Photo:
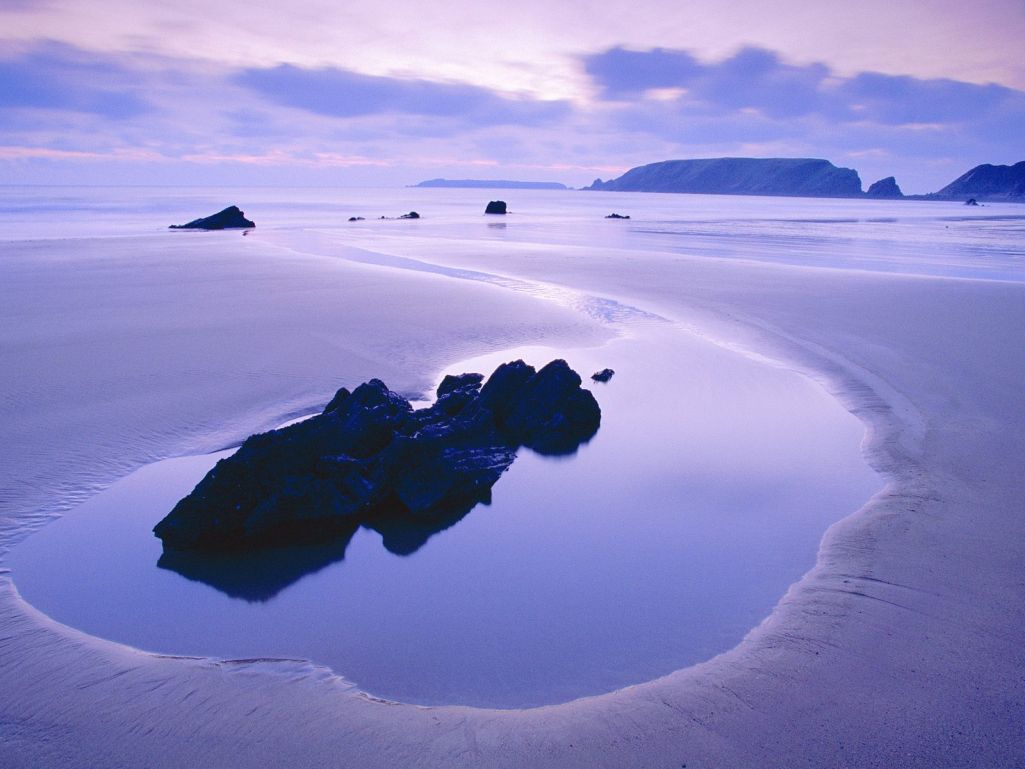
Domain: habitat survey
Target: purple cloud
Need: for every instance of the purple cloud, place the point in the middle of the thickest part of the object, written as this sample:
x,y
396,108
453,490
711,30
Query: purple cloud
x,y
58,77
339,93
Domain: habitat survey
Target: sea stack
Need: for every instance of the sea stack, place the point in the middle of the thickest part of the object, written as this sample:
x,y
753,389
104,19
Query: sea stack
x,y
230,218
884,188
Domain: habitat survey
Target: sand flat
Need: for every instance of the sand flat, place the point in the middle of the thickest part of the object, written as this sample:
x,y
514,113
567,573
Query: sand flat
x,y
903,647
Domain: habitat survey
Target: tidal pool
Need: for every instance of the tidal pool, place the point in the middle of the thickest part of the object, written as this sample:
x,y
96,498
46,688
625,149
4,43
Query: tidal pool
x,y
658,545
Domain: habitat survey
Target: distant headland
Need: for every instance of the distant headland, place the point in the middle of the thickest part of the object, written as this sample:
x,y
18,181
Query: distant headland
x,y
739,176
496,184
804,177
987,182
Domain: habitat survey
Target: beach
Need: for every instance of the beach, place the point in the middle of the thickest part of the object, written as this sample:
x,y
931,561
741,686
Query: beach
x,y
903,646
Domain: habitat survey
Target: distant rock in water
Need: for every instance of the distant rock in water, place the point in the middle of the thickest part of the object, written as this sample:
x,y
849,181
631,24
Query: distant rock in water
x,y
370,459
988,182
602,376
884,188
971,202
356,218
495,207
410,215
231,217
739,176
616,216
494,184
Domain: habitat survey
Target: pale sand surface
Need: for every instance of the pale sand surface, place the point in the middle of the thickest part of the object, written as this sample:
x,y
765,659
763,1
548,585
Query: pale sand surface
x,y
905,646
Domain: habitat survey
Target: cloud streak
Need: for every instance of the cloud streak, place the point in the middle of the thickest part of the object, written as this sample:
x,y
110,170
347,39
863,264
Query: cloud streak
x,y
339,93
58,77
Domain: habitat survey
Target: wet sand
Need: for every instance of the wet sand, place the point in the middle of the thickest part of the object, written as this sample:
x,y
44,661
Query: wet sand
x,y
903,647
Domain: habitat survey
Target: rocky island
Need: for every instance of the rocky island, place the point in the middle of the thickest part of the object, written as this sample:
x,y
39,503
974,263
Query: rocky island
x,y
739,176
884,188
231,217
370,459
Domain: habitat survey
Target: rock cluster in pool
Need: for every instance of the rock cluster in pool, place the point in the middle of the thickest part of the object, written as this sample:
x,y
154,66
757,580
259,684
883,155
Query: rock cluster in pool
x,y
369,458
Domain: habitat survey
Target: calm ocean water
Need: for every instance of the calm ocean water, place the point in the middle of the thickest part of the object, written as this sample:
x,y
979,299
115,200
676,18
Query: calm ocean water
x,y
659,545
894,236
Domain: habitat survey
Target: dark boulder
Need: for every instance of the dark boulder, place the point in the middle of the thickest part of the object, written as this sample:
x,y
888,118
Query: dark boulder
x,y
495,207
410,215
616,216
550,411
971,202
602,376
356,218
369,457
231,217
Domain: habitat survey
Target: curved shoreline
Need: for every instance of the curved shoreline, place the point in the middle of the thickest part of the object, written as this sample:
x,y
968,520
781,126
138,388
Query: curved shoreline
x,y
800,684
659,348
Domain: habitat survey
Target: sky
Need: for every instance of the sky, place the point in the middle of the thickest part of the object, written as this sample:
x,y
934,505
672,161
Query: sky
x,y
330,92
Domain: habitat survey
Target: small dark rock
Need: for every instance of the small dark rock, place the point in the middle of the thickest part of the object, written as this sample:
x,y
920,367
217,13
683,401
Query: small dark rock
x,y
616,216
231,217
495,207
410,215
356,218
602,376
971,202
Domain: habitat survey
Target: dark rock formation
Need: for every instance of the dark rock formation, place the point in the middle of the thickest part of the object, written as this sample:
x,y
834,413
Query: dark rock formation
x,y
971,202
884,188
616,216
369,459
988,182
494,184
739,176
602,376
410,215
231,217
356,218
495,207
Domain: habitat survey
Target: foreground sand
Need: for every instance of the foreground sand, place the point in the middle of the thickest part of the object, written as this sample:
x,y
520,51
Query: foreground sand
x,y
905,646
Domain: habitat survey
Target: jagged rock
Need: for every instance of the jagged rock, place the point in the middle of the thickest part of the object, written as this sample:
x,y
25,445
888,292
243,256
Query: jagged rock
x,y
884,188
410,215
616,216
356,218
495,207
231,217
370,459
602,376
971,202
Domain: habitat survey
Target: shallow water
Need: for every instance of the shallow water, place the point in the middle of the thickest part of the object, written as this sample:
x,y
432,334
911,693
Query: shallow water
x,y
660,544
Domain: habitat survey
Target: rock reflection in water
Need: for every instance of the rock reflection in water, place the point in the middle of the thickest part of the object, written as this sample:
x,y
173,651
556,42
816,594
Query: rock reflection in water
x,y
259,575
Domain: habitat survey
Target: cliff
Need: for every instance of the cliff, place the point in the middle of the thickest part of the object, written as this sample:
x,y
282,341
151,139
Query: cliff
x,y
739,176
988,181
